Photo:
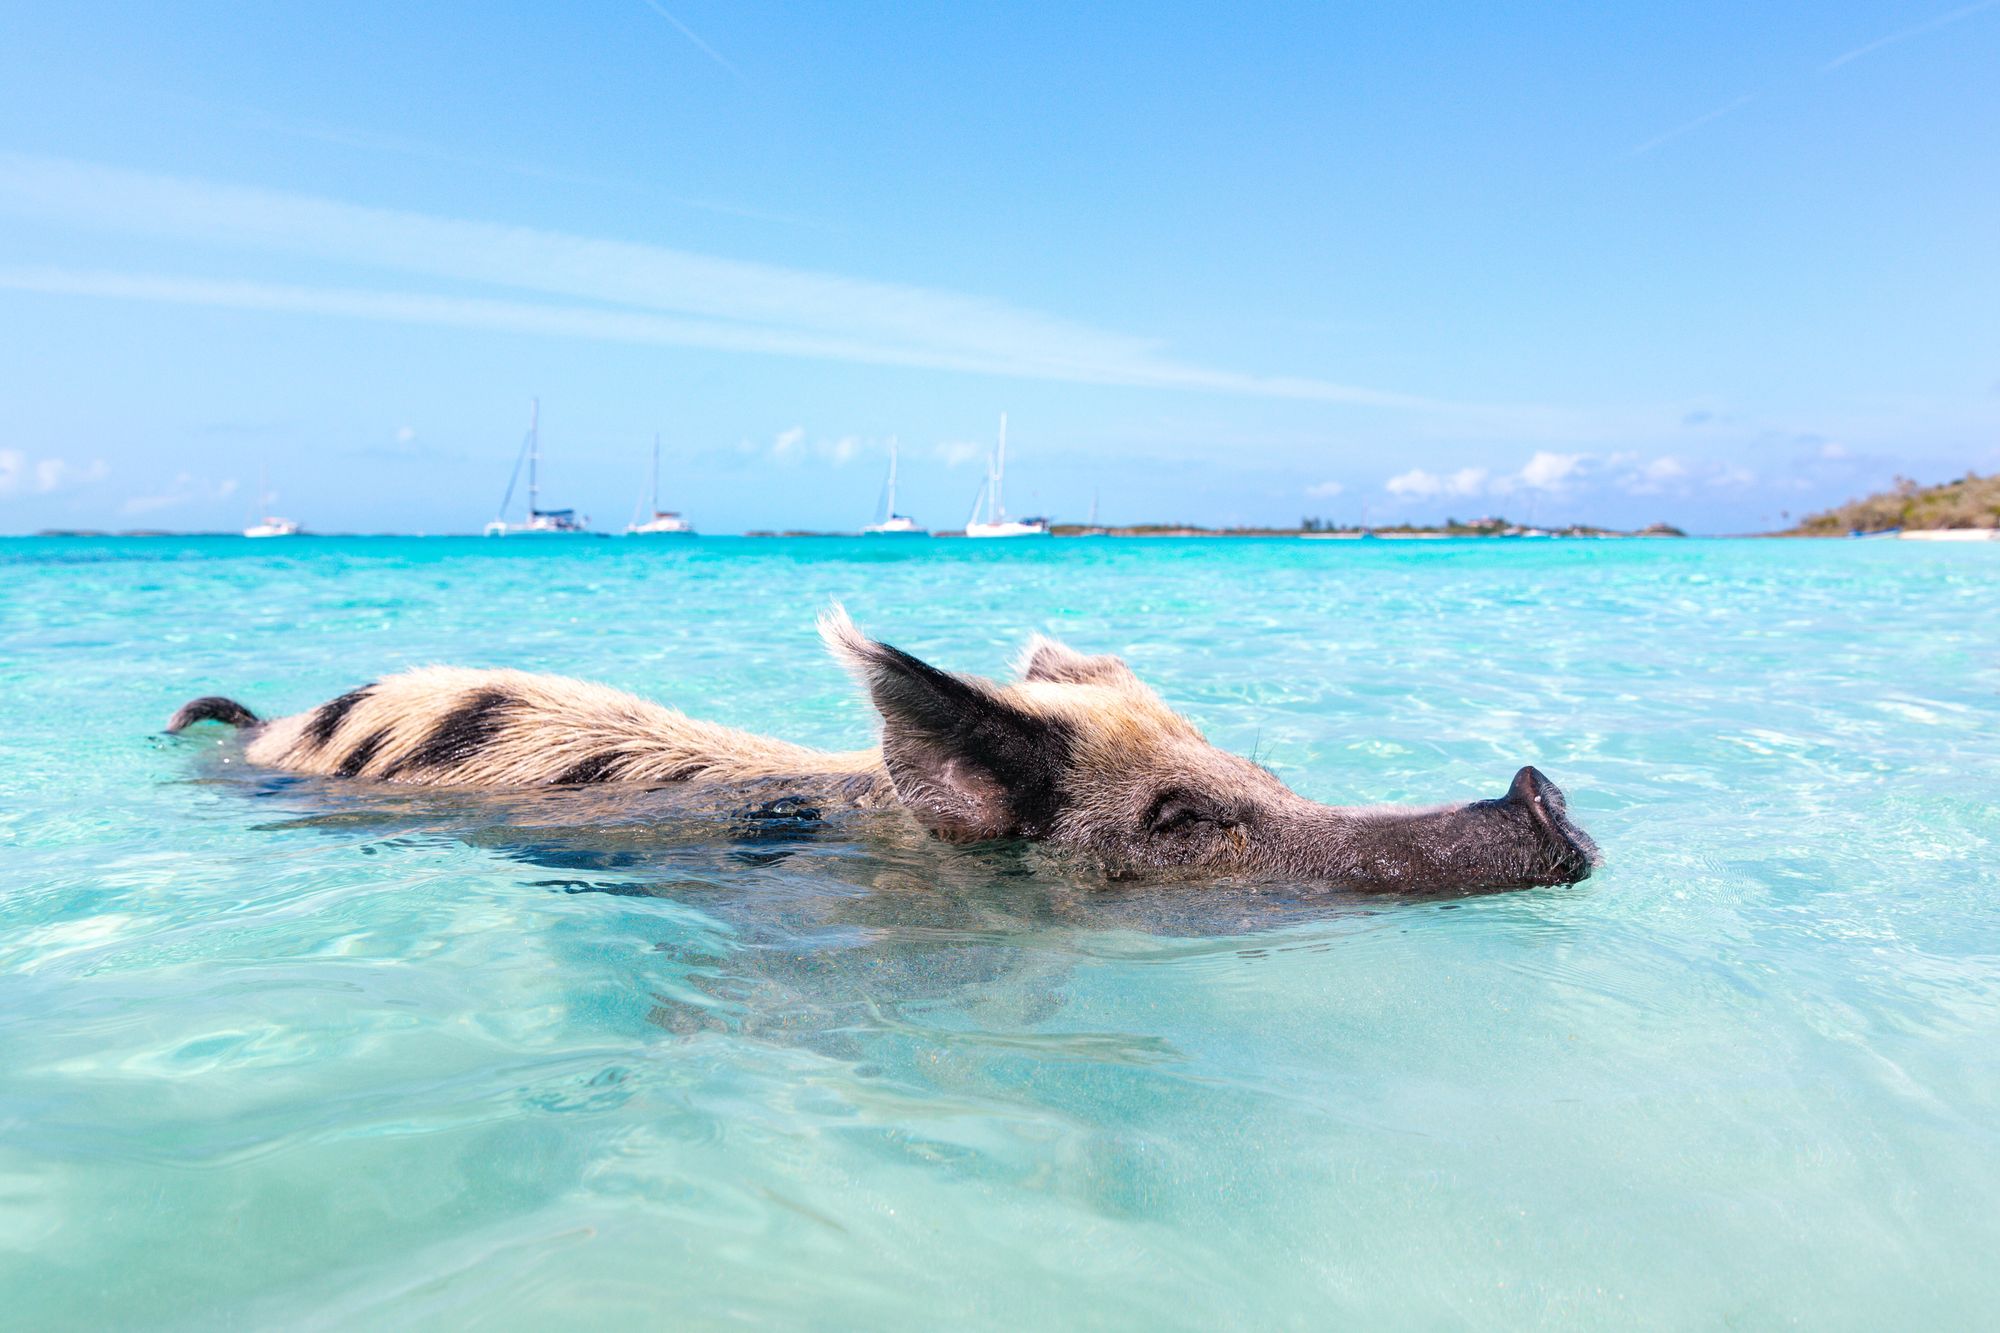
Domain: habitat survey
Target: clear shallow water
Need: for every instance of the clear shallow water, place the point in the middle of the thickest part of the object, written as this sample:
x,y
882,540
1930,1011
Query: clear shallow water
x,y
287,1053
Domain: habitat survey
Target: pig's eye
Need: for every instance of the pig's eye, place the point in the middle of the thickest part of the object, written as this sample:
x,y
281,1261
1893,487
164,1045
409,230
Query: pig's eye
x,y
1183,812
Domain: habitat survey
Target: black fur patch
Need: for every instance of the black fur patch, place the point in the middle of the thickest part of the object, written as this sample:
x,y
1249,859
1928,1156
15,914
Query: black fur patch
x,y
932,719
357,758
594,768
461,733
326,719
212,708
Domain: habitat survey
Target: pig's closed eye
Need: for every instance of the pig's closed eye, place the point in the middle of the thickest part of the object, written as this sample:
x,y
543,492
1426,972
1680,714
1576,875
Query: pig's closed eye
x,y
1179,812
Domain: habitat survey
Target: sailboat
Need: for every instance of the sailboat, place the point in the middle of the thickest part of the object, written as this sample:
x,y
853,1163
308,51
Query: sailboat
x,y
992,503
540,522
893,524
270,525
1091,528
664,522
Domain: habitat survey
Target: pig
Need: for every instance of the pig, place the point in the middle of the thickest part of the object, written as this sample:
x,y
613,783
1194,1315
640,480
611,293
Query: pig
x,y
1077,754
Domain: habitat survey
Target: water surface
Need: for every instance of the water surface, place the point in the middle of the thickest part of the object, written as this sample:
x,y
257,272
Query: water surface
x,y
282,1052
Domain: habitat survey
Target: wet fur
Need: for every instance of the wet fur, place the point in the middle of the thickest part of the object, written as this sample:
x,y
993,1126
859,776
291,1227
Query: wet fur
x,y
1077,753
448,726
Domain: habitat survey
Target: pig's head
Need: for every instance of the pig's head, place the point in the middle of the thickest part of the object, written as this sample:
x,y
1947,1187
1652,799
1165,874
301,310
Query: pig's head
x,y
1082,756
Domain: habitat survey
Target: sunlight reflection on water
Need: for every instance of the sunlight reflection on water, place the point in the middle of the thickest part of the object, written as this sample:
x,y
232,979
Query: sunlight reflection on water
x,y
272,1052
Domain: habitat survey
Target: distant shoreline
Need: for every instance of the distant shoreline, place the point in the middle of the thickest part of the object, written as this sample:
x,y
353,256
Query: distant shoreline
x,y
1142,533
1066,533
1488,529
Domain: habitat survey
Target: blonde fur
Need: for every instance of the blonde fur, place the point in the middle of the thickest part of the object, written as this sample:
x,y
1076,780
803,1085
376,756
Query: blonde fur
x,y
450,725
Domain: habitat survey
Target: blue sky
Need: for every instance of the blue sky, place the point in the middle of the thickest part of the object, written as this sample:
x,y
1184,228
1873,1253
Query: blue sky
x,y
1217,263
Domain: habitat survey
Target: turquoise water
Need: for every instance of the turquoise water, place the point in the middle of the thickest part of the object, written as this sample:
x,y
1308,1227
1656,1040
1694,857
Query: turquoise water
x,y
279,1053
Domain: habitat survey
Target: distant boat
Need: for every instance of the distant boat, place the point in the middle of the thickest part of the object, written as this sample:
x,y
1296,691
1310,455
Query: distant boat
x,y
1949,534
664,522
1091,527
893,524
992,503
540,522
270,525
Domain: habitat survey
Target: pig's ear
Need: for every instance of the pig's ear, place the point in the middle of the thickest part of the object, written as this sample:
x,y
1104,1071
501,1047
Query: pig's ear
x,y
966,762
1046,660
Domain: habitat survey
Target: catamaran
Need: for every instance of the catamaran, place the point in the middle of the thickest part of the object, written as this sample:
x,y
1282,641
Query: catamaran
x,y
993,505
893,524
540,522
270,525
664,522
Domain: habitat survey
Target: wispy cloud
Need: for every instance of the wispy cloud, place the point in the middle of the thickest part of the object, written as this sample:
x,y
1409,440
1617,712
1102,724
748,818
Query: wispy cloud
x,y
695,38
1547,473
22,475
1324,490
666,295
1422,484
1727,108
1904,34
1651,476
185,489
791,445
957,453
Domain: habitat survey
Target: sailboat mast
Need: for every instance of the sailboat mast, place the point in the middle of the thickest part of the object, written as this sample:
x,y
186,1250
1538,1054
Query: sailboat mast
x,y
892,476
534,454
1000,474
656,473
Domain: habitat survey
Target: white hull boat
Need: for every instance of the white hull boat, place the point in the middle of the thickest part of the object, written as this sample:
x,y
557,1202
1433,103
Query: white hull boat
x,y
989,511
539,522
893,524
664,522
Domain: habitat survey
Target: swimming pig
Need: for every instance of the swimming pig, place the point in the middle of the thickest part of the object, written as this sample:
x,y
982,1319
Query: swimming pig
x,y
1077,754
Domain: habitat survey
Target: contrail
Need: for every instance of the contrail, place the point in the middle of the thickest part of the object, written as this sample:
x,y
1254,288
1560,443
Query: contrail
x,y
695,37
1928,25
1695,124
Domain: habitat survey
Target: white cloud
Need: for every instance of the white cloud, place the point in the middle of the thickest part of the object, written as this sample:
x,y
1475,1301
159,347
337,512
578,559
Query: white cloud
x,y
1544,471
793,445
21,476
1832,450
404,434
1548,471
1417,484
668,296
1649,476
1324,490
1661,471
957,453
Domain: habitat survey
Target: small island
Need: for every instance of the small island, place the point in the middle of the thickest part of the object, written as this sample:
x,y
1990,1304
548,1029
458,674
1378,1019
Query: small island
x,y
1967,509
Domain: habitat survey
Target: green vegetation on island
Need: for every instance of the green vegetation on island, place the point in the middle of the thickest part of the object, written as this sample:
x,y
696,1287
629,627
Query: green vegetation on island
x,y
1972,501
